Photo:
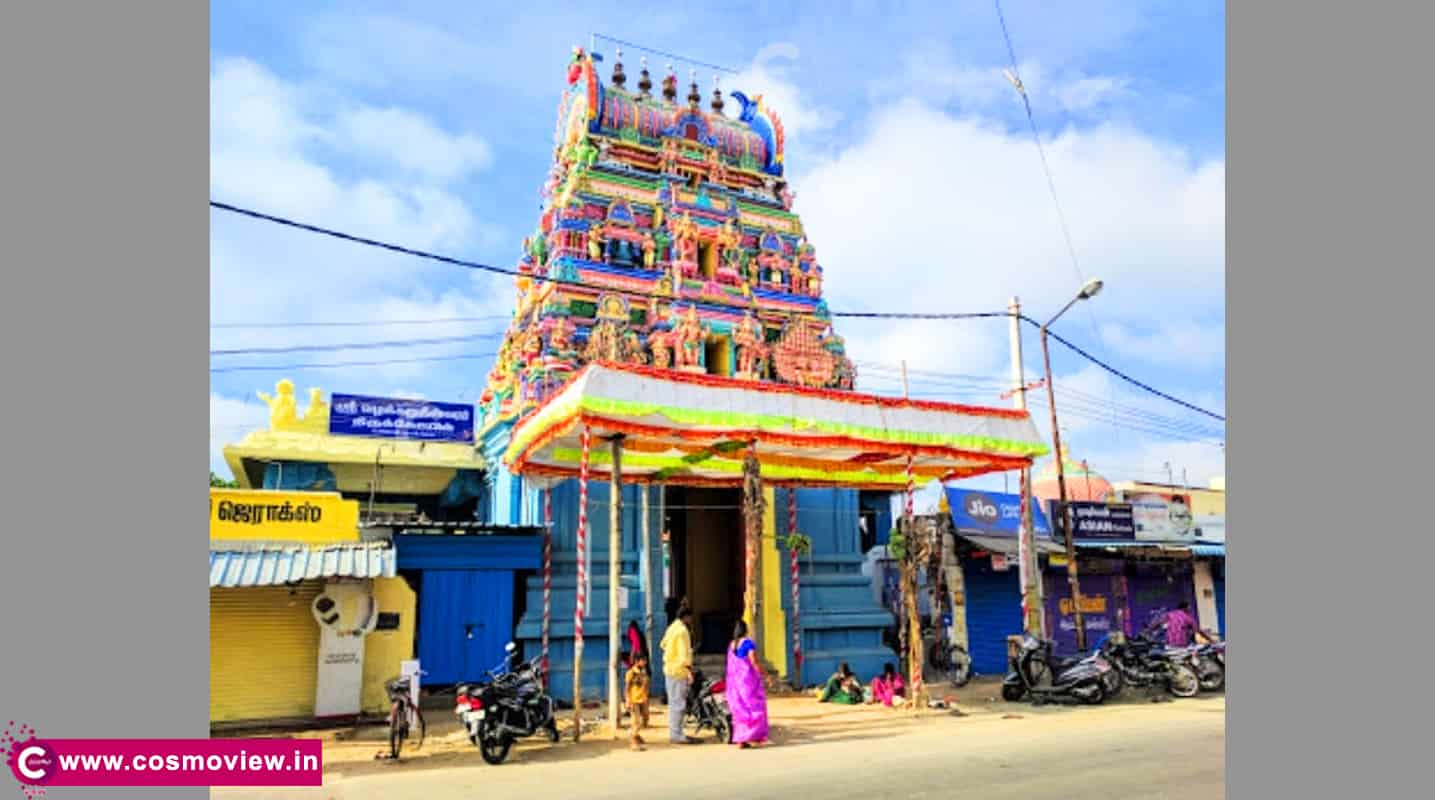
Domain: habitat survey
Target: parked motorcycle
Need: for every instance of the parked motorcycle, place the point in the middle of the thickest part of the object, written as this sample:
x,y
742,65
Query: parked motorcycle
x,y
1209,662
1035,672
707,708
511,705
1143,662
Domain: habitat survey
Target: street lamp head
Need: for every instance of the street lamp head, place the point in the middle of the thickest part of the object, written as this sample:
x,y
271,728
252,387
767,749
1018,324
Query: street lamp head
x,y
1091,289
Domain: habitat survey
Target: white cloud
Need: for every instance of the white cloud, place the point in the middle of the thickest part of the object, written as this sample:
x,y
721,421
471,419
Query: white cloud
x,y
1177,343
958,211
267,143
412,142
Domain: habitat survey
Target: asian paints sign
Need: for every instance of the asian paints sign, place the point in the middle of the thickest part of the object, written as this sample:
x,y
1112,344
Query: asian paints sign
x,y
386,418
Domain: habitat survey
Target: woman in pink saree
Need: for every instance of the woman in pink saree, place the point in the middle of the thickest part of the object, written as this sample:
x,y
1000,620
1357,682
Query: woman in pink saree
x,y
746,697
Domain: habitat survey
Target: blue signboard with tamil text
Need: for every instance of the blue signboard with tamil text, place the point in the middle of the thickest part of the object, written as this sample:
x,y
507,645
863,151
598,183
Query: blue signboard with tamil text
x,y
389,418
992,513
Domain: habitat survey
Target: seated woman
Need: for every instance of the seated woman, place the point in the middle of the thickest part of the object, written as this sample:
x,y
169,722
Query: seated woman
x,y
843,687
888,686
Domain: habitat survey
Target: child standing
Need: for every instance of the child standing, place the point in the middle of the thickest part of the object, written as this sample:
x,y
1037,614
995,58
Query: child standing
x,y
636,694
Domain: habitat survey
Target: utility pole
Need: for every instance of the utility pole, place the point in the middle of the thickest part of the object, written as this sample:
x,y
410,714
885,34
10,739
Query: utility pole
x,y
1088,291
1026,544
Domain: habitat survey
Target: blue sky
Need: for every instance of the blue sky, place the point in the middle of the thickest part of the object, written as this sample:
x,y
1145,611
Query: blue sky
x,y
914,171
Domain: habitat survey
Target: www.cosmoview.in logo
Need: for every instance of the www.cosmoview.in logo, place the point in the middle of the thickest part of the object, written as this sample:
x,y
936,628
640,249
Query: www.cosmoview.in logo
x,y
31,761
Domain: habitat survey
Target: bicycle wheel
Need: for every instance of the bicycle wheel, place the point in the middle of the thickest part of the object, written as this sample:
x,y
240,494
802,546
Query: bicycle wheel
x,y
418,730
396,738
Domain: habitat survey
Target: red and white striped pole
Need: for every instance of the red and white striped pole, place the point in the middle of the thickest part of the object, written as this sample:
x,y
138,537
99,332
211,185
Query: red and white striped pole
x,y
547,575
581,604
796,588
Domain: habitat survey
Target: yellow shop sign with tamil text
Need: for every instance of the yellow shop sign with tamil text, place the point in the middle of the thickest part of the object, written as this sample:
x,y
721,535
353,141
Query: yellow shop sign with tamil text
x,y
307,517
1090,604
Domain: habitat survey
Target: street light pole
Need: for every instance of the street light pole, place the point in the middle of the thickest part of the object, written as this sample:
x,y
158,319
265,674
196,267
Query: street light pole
x,y
1088,291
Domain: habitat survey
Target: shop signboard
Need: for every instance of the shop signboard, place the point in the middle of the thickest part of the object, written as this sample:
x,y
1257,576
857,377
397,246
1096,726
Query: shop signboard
x,y
261,515
391,418
1103,521
1162,517
1211,528
1098,610
992,513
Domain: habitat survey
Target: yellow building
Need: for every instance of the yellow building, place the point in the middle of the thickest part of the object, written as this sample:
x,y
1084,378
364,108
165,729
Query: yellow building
x,y
273,556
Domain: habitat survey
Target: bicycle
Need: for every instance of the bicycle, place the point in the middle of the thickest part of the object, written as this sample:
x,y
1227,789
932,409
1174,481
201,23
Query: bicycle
x,y
949,658
405,717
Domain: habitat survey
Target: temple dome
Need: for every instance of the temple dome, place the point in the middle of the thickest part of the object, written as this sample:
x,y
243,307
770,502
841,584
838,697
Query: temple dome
x,y
1082,482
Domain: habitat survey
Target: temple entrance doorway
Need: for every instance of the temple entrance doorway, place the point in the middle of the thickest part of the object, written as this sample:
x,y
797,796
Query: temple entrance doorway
x,y
707,561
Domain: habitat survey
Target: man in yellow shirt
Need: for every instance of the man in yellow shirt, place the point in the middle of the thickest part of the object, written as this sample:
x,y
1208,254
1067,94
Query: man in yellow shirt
x,y
677,647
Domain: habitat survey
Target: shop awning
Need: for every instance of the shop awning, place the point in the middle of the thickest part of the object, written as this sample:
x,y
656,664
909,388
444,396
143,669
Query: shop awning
x,y
1209,550
690,429
274,565
1008,544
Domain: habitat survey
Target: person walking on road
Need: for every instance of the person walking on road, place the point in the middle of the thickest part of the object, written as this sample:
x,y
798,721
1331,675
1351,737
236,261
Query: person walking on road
x,y
746,696
677,645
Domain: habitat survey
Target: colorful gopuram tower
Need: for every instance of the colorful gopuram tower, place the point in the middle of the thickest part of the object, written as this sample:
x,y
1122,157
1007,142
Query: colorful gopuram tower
x,y
666,238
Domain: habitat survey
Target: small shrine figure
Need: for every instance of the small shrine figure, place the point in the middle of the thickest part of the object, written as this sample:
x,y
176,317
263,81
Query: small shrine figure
x,y
283,409
650,251
717,171
559,336
668,156
658,216
587,153
595,243
690,336
660,343
748,338
632,349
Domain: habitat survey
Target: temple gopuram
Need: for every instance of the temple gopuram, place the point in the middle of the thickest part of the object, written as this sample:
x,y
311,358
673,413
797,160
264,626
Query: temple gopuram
x,y
666,245
665,238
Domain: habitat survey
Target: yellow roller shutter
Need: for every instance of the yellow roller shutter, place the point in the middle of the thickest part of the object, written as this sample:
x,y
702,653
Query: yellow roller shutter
x,y
263,652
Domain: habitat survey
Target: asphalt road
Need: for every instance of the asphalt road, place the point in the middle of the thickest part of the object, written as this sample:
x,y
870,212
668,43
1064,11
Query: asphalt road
x,y
1132,750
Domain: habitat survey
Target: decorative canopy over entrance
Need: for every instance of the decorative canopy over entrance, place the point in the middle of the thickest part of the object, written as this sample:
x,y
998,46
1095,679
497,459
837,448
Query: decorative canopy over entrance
x,y
691,429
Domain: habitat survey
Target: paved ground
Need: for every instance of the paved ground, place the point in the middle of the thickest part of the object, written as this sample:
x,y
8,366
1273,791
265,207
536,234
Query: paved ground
x,y
1129,749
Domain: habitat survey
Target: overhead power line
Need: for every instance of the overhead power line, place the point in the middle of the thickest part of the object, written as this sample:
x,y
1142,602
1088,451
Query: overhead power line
x,y
326,348
289,367
845,314
374,323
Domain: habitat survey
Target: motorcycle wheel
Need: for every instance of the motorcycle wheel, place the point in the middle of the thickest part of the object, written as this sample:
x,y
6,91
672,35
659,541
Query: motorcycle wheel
x,y
493,746
1115,683
1183,681
722,727
552,729
1012,692
1212,674
1093,694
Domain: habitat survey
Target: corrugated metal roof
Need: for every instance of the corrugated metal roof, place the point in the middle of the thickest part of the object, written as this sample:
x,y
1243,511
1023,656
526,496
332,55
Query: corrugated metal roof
x,y
1216,550
1008,544
277,565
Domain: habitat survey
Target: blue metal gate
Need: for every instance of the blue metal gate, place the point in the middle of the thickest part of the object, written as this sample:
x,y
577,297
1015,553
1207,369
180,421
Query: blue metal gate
x,y
1219,581
465,619
993,614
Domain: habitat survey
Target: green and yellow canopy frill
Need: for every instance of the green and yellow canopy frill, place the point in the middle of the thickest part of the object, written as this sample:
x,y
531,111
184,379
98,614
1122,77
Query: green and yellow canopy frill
x,y
693,430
